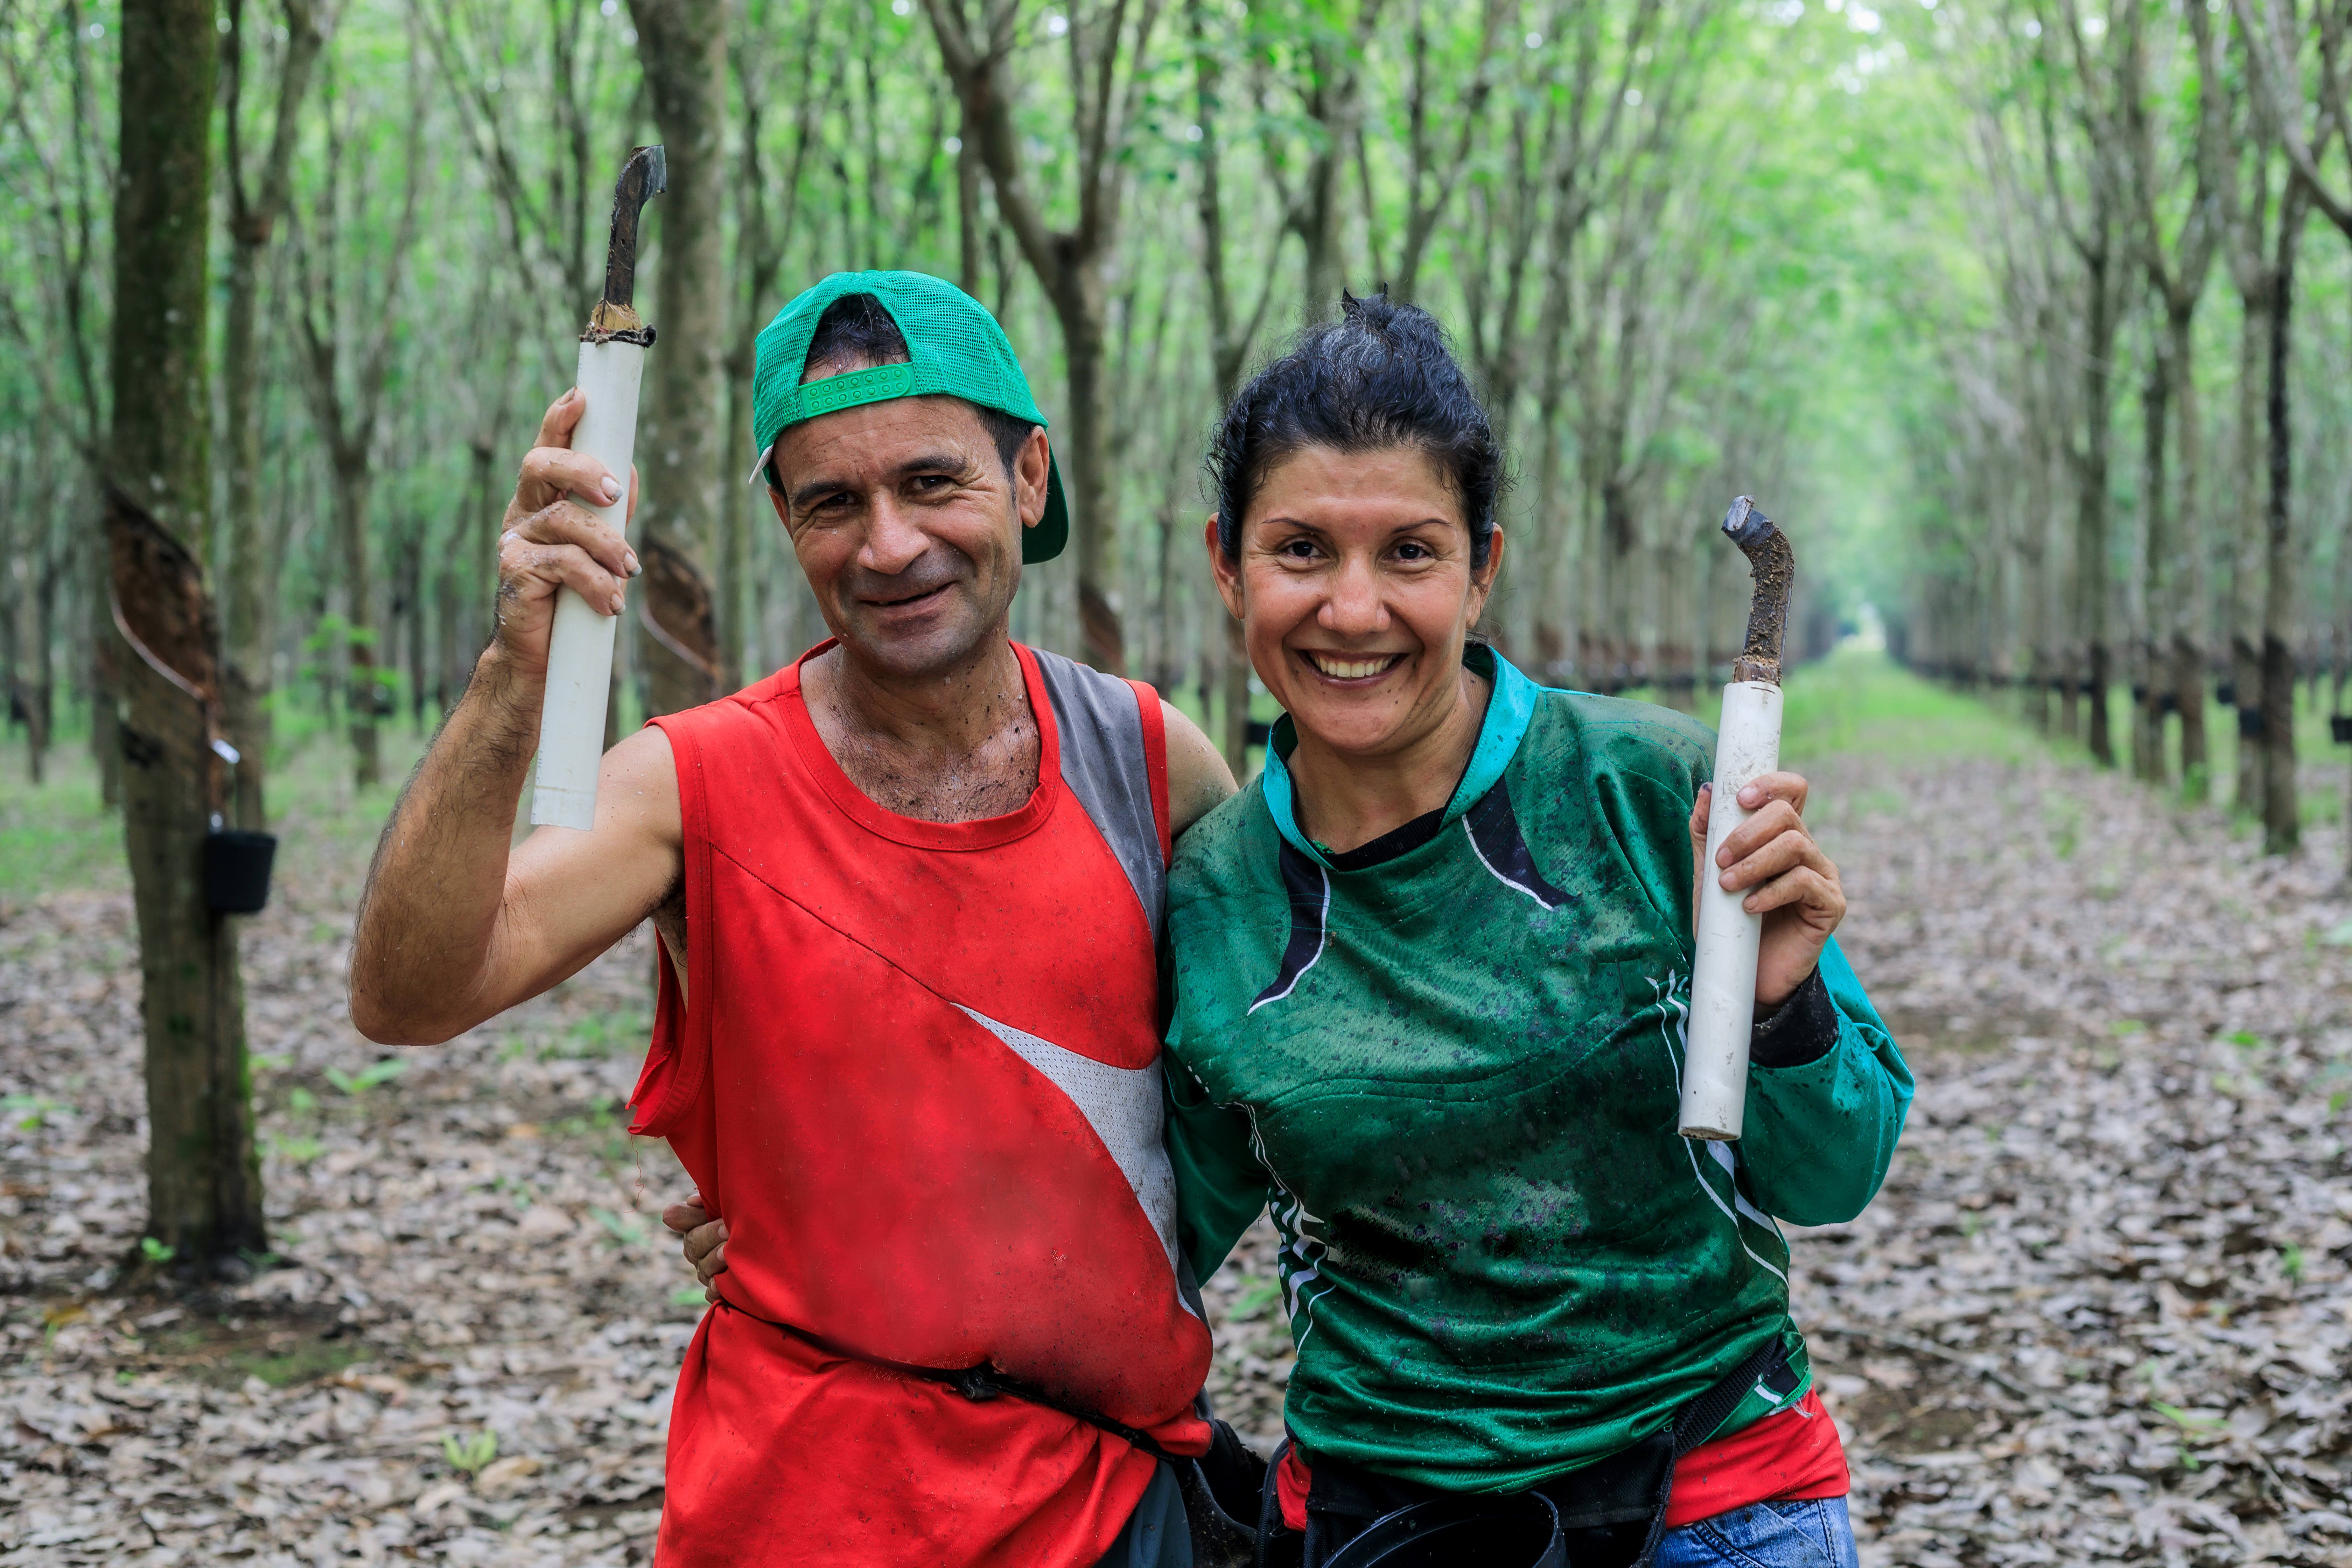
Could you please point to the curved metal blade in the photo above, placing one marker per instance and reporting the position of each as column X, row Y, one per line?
column 644, row 176
column 1774, row 565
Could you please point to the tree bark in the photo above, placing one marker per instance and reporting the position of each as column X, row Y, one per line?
column 2155, row 563
column 2091, row 496
column 2187, row 681
column 2245, row 562
column 1072, row 265
column 682, row 45
column 203, row 1180
column 2281, row 816
column 363, row 699
column 249, row 576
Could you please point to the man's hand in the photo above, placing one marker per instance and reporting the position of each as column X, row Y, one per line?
column 706, row 1241
column 551, row 540
column 1790, row 882
column 453, row 926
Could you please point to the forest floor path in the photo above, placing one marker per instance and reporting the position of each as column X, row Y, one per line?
column 2098, row 1313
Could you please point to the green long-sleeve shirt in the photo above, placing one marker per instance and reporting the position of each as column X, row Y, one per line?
column 1455, row 1077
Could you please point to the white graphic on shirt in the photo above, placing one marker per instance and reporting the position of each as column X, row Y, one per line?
column 1299, row 1259
column 1322, row 941
column 1677, row 1034
column 1124, row 1106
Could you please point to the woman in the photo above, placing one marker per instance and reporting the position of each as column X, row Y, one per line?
column 1430, row 971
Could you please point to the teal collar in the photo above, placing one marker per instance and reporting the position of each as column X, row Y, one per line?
column 1509, row 710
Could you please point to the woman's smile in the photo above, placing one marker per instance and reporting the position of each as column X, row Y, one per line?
column 1357, row 670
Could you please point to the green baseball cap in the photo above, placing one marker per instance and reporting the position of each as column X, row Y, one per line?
column 957, row 349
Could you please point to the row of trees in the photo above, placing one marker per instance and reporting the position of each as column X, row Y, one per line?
column 2149, row 174
column 283, row 322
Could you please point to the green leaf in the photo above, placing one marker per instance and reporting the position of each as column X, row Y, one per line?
column 155, row 1251
column 358, row 1083
column 469, row 1454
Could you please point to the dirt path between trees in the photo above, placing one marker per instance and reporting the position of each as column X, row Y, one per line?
column 2098, row 1314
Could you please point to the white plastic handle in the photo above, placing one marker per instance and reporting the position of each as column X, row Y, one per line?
column 1723, row 977
column 580, row 646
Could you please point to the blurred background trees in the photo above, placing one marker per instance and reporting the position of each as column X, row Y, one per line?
column 2013, row 312
column 2012, row 309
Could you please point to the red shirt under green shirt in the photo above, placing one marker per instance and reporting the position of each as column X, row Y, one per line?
column 1788, row 1457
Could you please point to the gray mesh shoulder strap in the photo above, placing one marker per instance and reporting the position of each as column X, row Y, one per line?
column 1103, row 764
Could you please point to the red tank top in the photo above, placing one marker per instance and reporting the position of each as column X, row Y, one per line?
column 916, row 1069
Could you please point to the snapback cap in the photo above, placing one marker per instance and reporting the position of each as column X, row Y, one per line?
column 956, row 349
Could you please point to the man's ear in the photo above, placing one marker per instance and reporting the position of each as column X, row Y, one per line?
column 1030, row 466
column 1227, row 574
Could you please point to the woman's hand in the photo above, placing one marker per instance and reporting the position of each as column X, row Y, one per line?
column 1790, row 881
column 706, row 1241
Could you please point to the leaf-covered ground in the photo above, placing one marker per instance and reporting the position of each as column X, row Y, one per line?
column 2098, row 1314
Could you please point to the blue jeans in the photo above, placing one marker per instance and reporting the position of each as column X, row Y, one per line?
column 1814, row 1535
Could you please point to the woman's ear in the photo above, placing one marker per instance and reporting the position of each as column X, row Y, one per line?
column 1227, row 574
column 1482, row 579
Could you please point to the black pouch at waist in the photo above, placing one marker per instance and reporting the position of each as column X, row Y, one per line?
column 1611, row 1514
column 1602, row 1513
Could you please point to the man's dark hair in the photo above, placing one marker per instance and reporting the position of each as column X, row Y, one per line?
column 1381, row 376
column 856, row 332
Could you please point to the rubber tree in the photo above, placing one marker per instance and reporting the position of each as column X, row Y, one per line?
column 1109, row 47
column 682, row 46
column 2292, row 83
column 2176, row 274
column 2094, row 232
column 348, row 336
column 1230, row 334
column 204, row 1181
column 248, row 567
column 2282, row 809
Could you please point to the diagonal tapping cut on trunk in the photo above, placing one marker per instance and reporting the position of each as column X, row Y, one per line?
column 204, row 1174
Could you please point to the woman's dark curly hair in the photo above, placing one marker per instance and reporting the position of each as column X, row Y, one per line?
column 1382, row 375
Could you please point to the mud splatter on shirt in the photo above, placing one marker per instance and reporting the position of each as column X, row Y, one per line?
column 1454, row 1076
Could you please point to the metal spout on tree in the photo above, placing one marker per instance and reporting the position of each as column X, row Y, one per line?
column 1747, row 745
column 580, row 645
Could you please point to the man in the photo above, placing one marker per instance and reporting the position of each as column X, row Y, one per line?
column 908, row 1040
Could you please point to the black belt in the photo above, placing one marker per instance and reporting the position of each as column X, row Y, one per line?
column 978, row 1383
column 1610, row 1512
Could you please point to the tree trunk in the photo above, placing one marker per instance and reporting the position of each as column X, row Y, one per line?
column 248, row 572
column 2091, row 513
column 2188, row 577
column 2155, row 565
column 967, row 231
column 2282, row 824
column 682, row 45
column 2246, row 556
column 1237, row 698
column 412, row 598
column 1085, row 469
column 481, row 481
column 680, row 625
column 203, row 1180
column 355, row 490
column 1071, row 264
column 245, row 672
